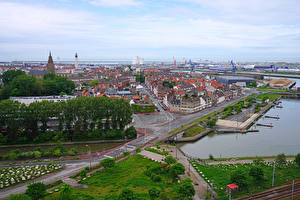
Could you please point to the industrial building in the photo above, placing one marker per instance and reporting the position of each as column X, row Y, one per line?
column 239, row 80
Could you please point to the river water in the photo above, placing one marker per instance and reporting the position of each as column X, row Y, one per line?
column 284, row 137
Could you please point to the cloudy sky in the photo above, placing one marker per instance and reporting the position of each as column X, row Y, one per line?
column 220, row 30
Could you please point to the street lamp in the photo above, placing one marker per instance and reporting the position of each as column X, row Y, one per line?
column 89, row 153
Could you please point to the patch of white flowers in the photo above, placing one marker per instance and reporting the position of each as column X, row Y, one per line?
column 14, row 175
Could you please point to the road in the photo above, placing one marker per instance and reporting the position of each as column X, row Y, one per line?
column 161, row 123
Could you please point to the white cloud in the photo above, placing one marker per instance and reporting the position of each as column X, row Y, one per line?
column 115, row 3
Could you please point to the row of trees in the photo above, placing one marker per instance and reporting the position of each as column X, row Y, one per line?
column 17, row 83
column 83, row 117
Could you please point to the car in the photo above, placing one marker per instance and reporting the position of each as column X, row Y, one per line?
column 195, row 183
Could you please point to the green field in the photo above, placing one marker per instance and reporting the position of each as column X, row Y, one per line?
column 82, row 148
column 272, row 97
column 108, row 183
column 193, row 131
column 276, row 90
column 220, row 176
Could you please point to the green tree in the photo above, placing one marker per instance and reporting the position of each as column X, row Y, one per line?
column 297, row 159
column 36, row 190
column 281, row 160
column 127, row 194
column 239, row 177
column 19, row 197
column 170, row 160
column 257, row 173
column 153, row 193
column 66, row 192
column 130, row 132
column 186, row 189
column 9, row 75
column 26, row 85
column 108, row 163
column 259, row 161
column 176, row 169
column 94, row 82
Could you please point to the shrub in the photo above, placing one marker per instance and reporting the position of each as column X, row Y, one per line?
column 211, row 157
column 108, row 163
column 37, row 154
column 138, row 150
column 170, row 160
column 258, row 161
column 186, row 189
column 155, row 177
column 36, row 190
column 127, row 194
column 153, row 193
column 83, row 173
column 239, row 177
column 177, row 169
column 131, row 132
column 280, row 160
column 297, row 159
column 65, row 193
column 12, row 155
column 257, row 173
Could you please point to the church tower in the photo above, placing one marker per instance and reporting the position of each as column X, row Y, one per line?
column 76, row 61
column 50, row 64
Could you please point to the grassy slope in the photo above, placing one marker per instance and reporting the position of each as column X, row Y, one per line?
column 195, row 130
column 269, row 96
column 221, row 176
column 108, row 183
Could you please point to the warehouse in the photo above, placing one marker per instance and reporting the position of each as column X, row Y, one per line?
column 239, row 80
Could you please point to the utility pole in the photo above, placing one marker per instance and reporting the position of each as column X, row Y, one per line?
column 273, row 175
column 293, row 188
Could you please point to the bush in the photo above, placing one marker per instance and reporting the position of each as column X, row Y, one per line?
column 37, row 154
column 127, row 194
column 66, row 192
column 170, row 160
column 186, row 189
column 83, row 173
column 297, row 159
column 211, row 157
column 138, row 150
column 108, row 163
column 155, row 177
column 130, row 132
column 257, row 173
column 280, row 160
column 153, row 193
column 259, row 161
column 36, row 190
column 239, row 177
column 12, row 155
column 19, row 197
column 177, row 169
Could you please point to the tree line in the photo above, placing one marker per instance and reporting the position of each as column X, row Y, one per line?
column 17, row 83
column 79, row 118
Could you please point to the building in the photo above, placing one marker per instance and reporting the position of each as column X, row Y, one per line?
column 29, row 100
column 50, row 64
column 76, row 61
column 282, row 83
column 238, row 80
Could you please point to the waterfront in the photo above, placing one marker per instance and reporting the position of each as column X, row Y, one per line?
column 284, row 137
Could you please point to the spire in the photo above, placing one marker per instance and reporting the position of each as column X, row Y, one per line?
column 76, row 56
column 50, row 66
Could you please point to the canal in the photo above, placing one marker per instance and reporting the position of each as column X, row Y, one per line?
column 284, row 137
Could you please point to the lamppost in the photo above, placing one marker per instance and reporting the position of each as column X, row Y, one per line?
column 89, row 153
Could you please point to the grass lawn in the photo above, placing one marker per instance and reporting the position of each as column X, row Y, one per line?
column 276, row 90
column 269, row 96
column 195, row 130
column 108, row 183
column 220, row 175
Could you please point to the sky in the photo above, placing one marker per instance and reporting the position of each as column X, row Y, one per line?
column 218, row 30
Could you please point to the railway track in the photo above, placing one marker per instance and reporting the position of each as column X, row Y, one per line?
column 283, row 192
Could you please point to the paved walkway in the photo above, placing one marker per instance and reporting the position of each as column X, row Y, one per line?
column 201, row 188
column 242, row 161
column 152, row 156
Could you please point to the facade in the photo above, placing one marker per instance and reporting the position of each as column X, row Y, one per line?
column 228, row 80
column 29, row 100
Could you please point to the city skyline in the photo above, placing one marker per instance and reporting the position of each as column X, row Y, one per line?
column 121, row 29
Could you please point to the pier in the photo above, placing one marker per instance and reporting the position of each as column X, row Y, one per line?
column 272, row 117
column 266, row 125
